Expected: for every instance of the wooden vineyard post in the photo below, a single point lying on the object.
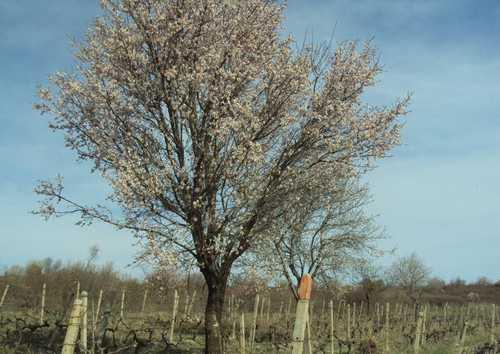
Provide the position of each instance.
(462, 338)
(377, 305)
(232, 316)
(387, 309)
(311, 308)
(73, 327)
(42, 309)
(83, 329)
(95, 317)
(174, 315)
(93, 328)
(99, 301)
(233, 332)
(242, 333)
(418, 328)
(353, 319)
(339, 309)
(188, 300)
(254, 323)
(424, 329)
(262, 305)
(370, 328)
(144, 302)
(348, 334)
(191, 301)
(268, 309)
(122, 304)
(309, 339)
(5, 291)
(492, 330)
(301, 315)
(77, 294)
(332, 339)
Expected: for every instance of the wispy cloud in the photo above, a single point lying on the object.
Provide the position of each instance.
(437, 195)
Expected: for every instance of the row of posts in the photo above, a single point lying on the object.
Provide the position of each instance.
(78, 321)
(77, 324)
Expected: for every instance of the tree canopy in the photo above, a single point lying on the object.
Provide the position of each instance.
(208, 126)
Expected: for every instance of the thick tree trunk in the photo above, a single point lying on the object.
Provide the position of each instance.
(214, 330)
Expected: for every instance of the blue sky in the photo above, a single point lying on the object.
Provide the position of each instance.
(438, 195)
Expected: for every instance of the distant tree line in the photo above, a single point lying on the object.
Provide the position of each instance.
(406, 280)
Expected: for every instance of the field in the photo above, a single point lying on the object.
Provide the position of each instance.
(264, 326)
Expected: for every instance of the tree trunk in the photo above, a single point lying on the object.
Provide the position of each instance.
(214, 330)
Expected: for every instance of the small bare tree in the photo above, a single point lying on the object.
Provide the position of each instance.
(409, 273)
(369, 280)
(322, 237)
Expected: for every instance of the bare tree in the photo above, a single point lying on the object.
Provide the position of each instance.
(436, 284)
(409, 273)
(369, 280)
(483, 281)
(324, 237)
(205, 122)
(93, 255)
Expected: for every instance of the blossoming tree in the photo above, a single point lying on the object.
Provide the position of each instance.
(205, 123)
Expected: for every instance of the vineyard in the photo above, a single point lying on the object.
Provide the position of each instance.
(264, 325)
